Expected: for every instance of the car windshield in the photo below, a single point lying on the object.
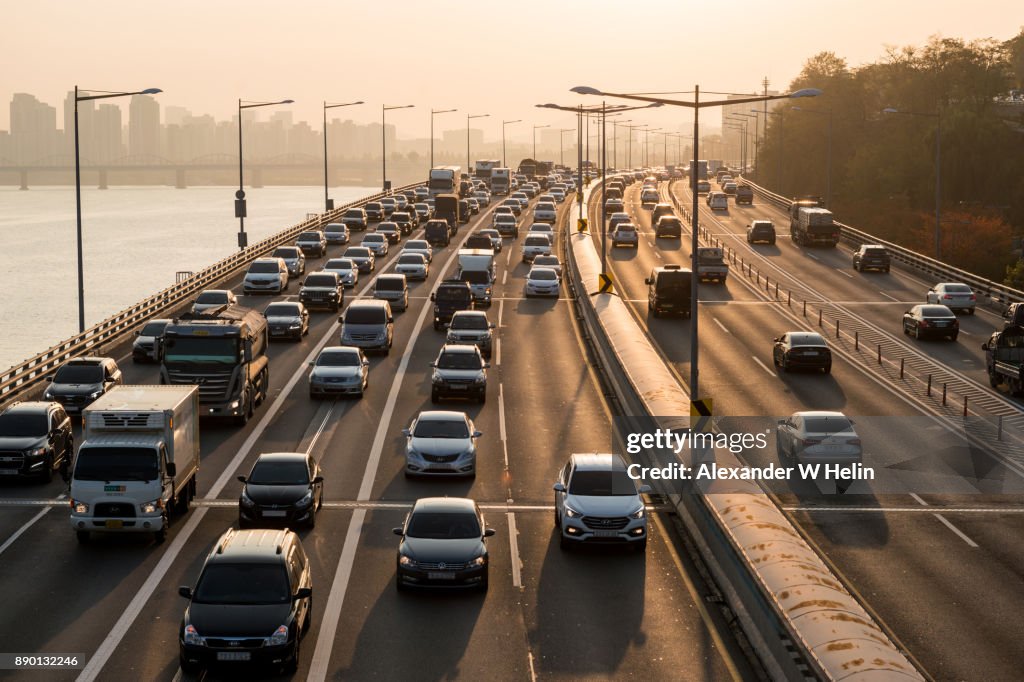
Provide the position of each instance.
(827, 425)
(543, 274)
(201, 349)
(505, 219)
(309, 237)
(248, 583)
(420, 207)
(411, 259)
(388, 284)
(607, 482)
(338, 359)
(417, 245)
(286, 252)
(212, 297)
(282, 310)
(469, 322)
(22, 425)
(431, 428)
(97, 463)
(626, 227)
(264, 268)
(537, 241)
(360, 252)
(79, 374)
(387, 227)
(339, 264)
(476, 277)
(459, 294)
(957, 289)
(364, 316)
(295, 472)
(936, 311)
(153, 329)
(353, 213)
(321, 281)
(546, 261)
(443, 525)
(458, 361)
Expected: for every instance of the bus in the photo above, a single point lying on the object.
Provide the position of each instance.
(482, 169)
(444, 180)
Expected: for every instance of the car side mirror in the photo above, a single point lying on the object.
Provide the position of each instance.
(318, 479)
(648, 281)
(645, 489)
(782, 422)
(304, 593)
(138, 332)
(477, 434)
(397, 531)
(984, 346)
(49, 378)
(185, 592)
(406, 432)
(433, 364)
(776, 339)
(431, 296)
(558, 488)
(489, 532)
(366, 363)
(242, 479)
(172, 470)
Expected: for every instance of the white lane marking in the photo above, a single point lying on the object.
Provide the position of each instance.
(956, 530)
(888, 296)
(840, 270)
(28, 524)
(501, 309)
(533, 673)
(320, 429)
(917, 498)
(721, 326)
(497, 352)
(762, 365)
(658, 255)
(508, 258)
(339, 586)
(513, 542)
(811, 255)
(504, 277)
(501, 418)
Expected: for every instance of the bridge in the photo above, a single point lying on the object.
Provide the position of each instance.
(913, 576)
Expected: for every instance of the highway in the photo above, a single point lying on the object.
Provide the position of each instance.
(936, 560)
(547, 615)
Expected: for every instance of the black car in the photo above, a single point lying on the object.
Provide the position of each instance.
(668, 226)
(464, 211)
(744, 194)
(872, 257)
(78, 382)
(450, 297)
(35, 439)
(374, 211)
(668, 290)
(405, 221)
(437, 233)
(287, 319)
(390, 230)
(251, 606)
(929, 319)
(802, 350)
(322, 290)
(761, 231)
(283, 488)
(443, 545)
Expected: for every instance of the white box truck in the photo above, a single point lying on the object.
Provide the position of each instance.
(137, 462)
(476, 267)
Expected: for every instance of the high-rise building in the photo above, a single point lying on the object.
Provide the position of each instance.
(33, 129)
(143, 126)
(106, 133)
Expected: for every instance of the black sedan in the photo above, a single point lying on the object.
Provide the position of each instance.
(443, 545)
(286, 319)
(283, 488)
(926, 320)
(802, 350)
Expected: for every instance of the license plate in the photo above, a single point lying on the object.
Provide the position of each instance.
(458, 388)
(606, 533)
(233, 655)
(276, 332)
(440, 576)
(114, 523)
(275, 513)
(810, 353)
(8, 472)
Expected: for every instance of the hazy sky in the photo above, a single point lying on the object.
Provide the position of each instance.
(478, 57)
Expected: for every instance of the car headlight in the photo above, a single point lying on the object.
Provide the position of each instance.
(279, 637)
(234, 405)
(306, 500)
(408, 562)
(79, 507)
(192, 636)
(48, 394)
(96, 394)
(436, 378)
(294, 325)
(151, 507)
(638, 514)
(437, 309)
(479, 561)
(468, 452)
(572, 513)
(245, 500)
(37, 452)
(480, 380)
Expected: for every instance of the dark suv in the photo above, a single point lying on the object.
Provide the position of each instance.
(872, 257)
(374, 211)
(78, 382)
(449, 298)
(251, 605)
(35, 439)
(761, 231)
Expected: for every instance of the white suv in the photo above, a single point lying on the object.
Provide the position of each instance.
(266, 275)
(597, 501)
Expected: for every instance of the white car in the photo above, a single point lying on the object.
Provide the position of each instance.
(596, 501)
(213, 298)
(541, 281)
(819, 437)
(346, 269)
(266, 275)
(557, 193)
(376, 242)
(535, 244)
(625, 235)
(441, 442)
(649, 196)
(482, 197)
(421, 246)
(718, 201)
(412, 265)
(548, 262)
(953, 295)
(545, 212)
(339, 370)
(543, 228)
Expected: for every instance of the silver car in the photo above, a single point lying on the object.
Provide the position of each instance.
(597, 501)
(472, 326)
(412, 265)
(549, 262)
(336, 233)
(376, 242)
(213, 298)
(819, 437)
(421, 246)
(441, 443)
(362, 257)
(346, 269)
(953, 295)
(293, 258)
(339, 370)
(393, 289)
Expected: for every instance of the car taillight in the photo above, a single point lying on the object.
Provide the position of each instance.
(948, 297)
(810, 441)
(922, 323)
(853, 441)
(973, 297)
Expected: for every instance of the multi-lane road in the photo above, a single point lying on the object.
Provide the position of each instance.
(548, 614)
(934, 549)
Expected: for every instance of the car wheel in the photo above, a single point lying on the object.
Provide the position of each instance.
(160, 536)
(564, 544)
(293, 664)
(640, 547)
(483, 396)
(188, 667)
(784, 364)
(47, 474)
(953, 337)
(906, 330)
(827, 369)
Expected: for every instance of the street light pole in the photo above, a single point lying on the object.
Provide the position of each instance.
(328, 203)
(384, 142)
(78, 190)
(535, 128)
(468, 117)
(503, 124)
(432, 113)
(240, 194)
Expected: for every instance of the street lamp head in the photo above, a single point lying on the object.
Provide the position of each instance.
(806, 92)
(287, 101)
(151, 91)
(585, 90)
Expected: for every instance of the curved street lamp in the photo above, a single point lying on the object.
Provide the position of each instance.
(240, 194)
(503, 124)
(328, 202)
(384, 142)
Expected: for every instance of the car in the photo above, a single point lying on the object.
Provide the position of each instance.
(744, 194)
(648, 196)
(405, 221)
(718, 201)
(337, 233)
(1013, 316)
(459, 372)
(357, 218)
(443, 545)
(421, 246)
(212, 299)
(421, 192)
(596, 501)
(522, 196)
(374, 211)
(322, 290)
(612, 205)
(541, 281)
(464, 211)
(377, 242)
(625, 234)
(483, 197)
(801, 350)
(703, 187)
(545, 212)
(368, 324)
(472, 326)
(35, 440)
(550, 261)
(494, 236)
(251, 605)
(822, 437)
(507, 225)
(926, 320)
(478, 241)
(660, 210)
(450, 297)
(501, 209)
(761, 231)
(668, 290)
(80, 381)
(872, 257)
(339, 370)
(558, 193)
(345, 268)
(394, 289)
(362, 256)
(535, 244)
(441, 443)
(149, 341)
(542, 228)
(528, 190)
(266, 275)
(437, 232)
(423, 212)
(293, 258)
(312, 243)
(474, 205)
(412, 266)
(287, 319)
(391, 232)
(513, 205)
(954, 295)
(401, 202)
(282, 488)
(729, 187)
(616, 218)
(668, 227)
(388, 206)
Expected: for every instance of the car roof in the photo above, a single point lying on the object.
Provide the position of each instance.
(282, 456)
(468, 348)
(88, 360)
(820, 413)
(444, 504)
(339, 349)
(440, 416)
(367, 303)
(541, 268)
(806, 339)
(470, 313)
(597, 461)
(30, 406)
(256, 546)
(394, 276)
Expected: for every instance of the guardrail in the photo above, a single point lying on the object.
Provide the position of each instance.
(800, 619)
(996, 292)
(18, 380)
